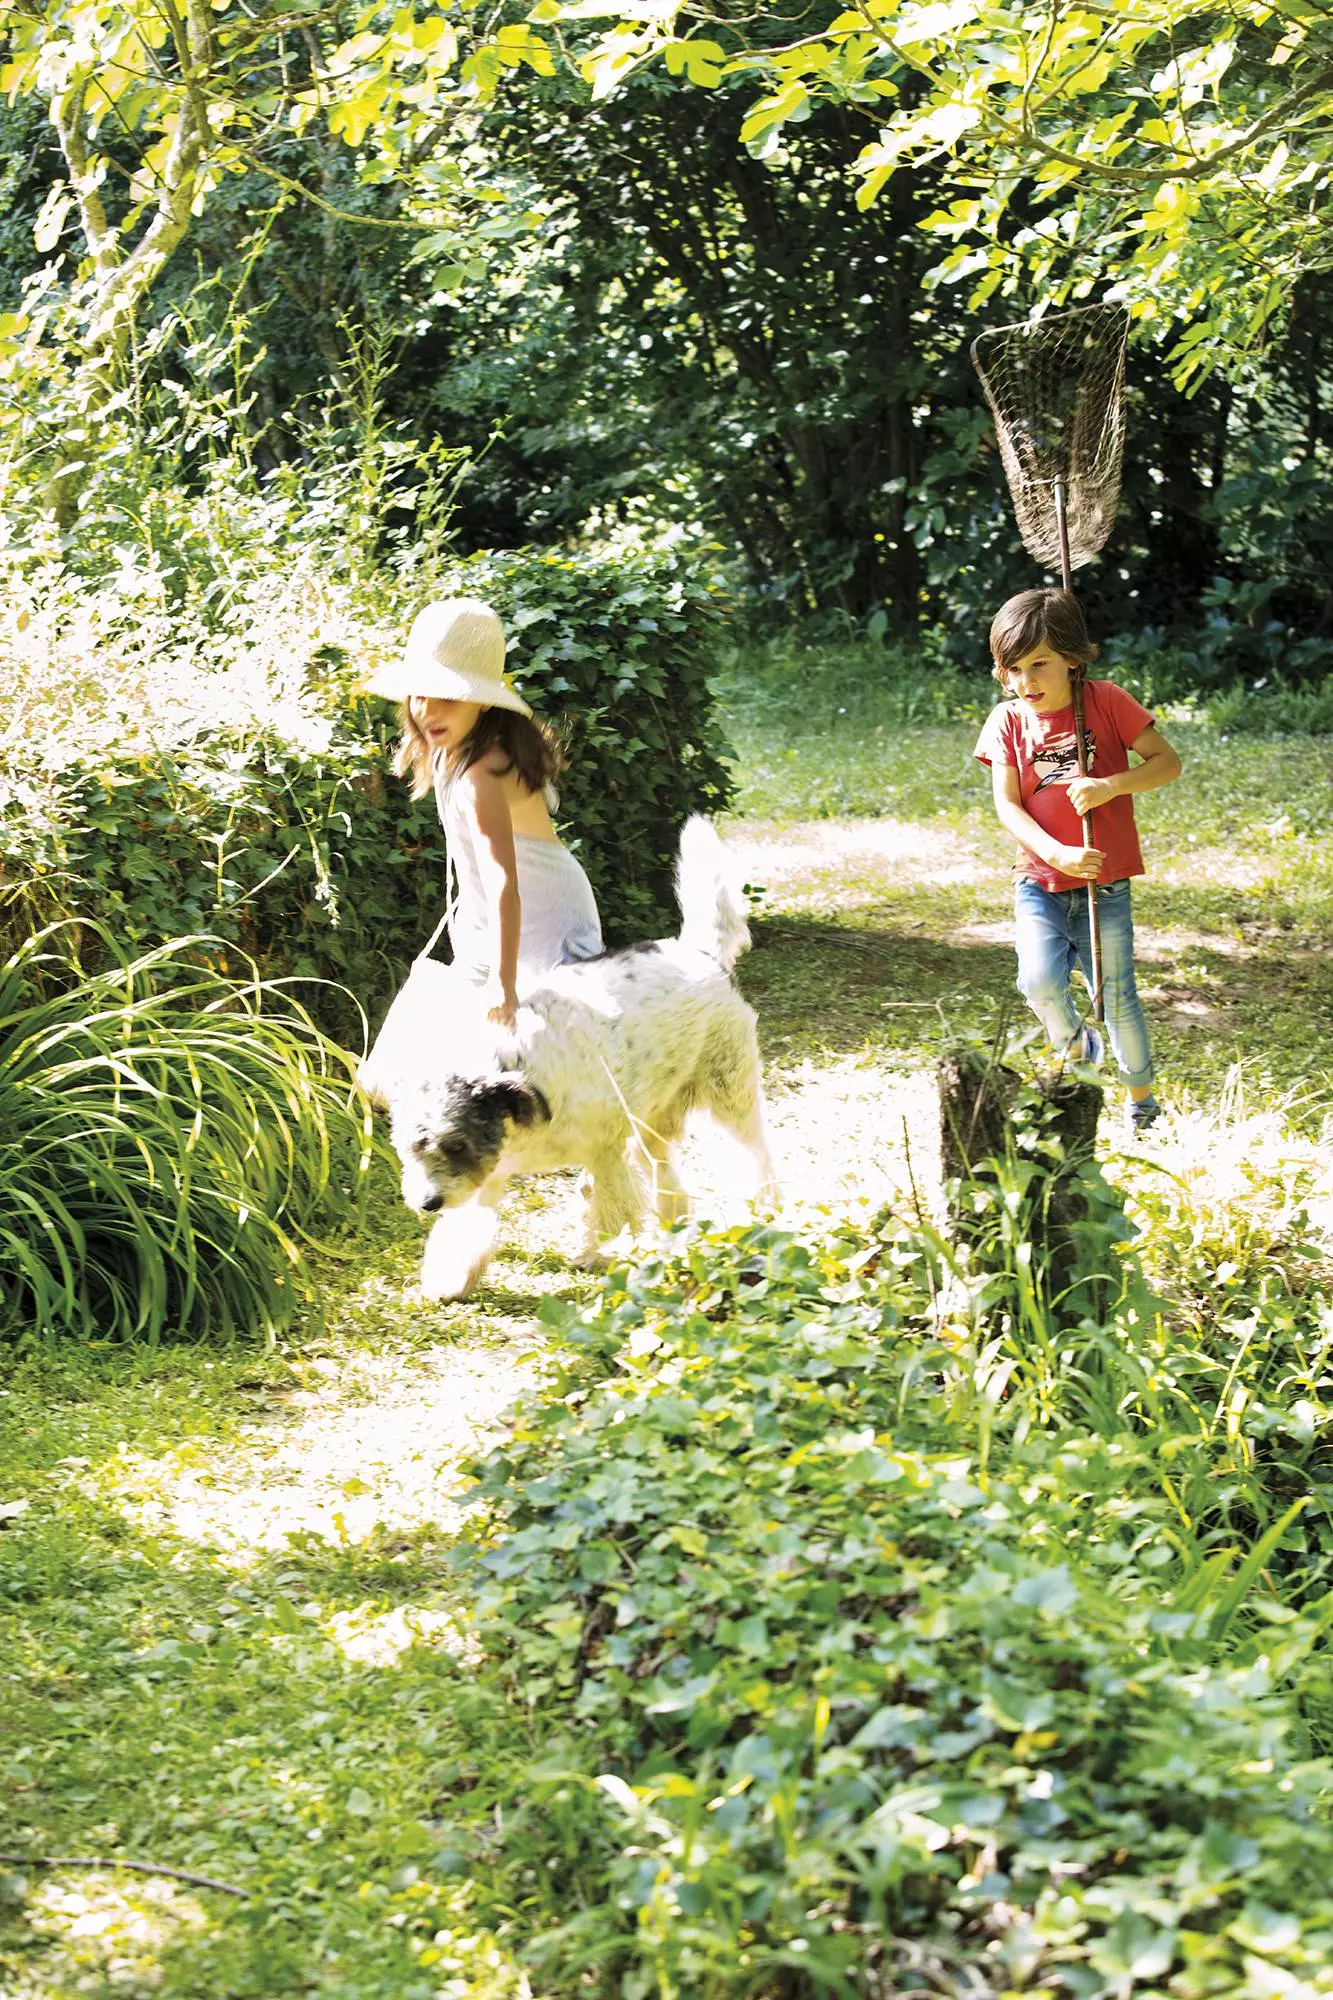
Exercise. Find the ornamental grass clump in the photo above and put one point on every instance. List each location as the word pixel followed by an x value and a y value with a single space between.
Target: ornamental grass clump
pixel 170 1137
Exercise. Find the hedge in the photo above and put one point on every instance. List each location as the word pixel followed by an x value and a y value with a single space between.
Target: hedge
pixel 316 863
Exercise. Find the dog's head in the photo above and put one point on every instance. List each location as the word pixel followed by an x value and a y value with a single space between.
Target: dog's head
pixel 449 1135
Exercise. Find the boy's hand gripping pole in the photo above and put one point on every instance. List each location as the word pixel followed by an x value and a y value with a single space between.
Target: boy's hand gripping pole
pixel 1081 754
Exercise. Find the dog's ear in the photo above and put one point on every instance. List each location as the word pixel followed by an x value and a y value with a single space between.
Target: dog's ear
pixel 514 1097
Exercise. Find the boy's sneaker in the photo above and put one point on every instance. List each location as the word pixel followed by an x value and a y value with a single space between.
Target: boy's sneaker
pixel 1141 1115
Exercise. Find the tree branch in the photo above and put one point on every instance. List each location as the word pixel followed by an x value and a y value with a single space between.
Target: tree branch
pixel 67 115
pixel 115 1861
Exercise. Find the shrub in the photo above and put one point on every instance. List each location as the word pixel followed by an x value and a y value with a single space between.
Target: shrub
pixel 620 651
pixel 245 787
pixel 169 1137
pixel 863 1713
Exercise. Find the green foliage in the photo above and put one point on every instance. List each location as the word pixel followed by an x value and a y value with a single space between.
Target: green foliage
pixel 169 1137
pixel 1173 153
pixel 671 330
pixel 308 861
pixel 845 1684
pixel 684 334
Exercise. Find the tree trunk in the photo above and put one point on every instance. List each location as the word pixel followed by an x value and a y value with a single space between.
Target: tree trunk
pixel 977 1144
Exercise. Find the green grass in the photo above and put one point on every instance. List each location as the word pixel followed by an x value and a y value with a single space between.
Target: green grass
pixel 1237 903
pixel 183 1681
pixel 254 1714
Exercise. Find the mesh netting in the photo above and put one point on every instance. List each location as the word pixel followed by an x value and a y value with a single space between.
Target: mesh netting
pixel 1055 388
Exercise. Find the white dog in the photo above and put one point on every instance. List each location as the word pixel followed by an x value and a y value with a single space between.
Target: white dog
pixel 608 1057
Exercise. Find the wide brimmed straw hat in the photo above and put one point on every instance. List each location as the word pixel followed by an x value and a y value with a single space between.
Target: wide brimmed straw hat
pixel 454 652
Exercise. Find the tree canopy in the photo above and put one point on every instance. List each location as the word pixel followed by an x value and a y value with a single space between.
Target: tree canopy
pixel 709 268
pixel 1174 149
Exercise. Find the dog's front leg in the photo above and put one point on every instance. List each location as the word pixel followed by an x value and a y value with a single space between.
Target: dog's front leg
pixel 741 1111
pixel 459 1247
pixel 615 1202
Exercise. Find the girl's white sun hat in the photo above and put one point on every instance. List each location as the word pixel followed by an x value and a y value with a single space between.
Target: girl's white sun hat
pixel 454 652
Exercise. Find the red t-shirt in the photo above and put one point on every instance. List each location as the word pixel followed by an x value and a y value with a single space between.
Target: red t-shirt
pixel 1041 749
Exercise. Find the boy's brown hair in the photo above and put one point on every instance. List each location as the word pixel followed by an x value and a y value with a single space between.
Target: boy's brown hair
pixel 1034 618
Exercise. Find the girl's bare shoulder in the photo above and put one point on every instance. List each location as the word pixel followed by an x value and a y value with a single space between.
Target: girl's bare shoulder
pixel 485 772
pixel 491 781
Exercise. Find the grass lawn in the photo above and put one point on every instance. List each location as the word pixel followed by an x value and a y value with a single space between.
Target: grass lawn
pixel 231 1639
pixel 879 856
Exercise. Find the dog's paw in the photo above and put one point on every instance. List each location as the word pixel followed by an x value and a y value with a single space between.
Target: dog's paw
pixel 457 1251
pixel 445 1288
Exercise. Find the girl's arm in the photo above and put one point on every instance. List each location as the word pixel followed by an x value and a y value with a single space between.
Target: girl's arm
pixel 1083 862
pixel 1160 765
pixel 499 876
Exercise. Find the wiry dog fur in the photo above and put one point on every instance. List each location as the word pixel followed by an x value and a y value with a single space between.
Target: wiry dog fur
pixel 609 1057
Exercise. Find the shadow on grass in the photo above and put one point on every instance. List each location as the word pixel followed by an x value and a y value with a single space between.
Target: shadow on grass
pixel 825 989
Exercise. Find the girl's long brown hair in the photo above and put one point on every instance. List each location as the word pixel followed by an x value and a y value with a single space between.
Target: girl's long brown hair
pixel 530 748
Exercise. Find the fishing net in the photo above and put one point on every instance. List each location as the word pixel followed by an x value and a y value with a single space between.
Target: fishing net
pixel 1056 390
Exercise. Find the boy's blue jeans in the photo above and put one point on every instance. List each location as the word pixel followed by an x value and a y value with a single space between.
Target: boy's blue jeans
pixel 1051 932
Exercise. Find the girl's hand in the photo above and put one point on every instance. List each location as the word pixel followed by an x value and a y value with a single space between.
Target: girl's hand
pixel 1084 862
pixel 1086 794
pixel 501 1007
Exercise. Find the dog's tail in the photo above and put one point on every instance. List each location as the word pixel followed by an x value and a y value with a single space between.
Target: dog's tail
pixel 712 900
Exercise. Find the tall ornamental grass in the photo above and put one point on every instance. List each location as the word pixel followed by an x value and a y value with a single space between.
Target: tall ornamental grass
pixel 170 1140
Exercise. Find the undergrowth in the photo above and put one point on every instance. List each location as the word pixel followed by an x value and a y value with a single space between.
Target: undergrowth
pixel 886 1666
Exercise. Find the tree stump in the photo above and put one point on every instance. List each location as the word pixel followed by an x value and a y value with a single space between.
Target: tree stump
pixel 980 1102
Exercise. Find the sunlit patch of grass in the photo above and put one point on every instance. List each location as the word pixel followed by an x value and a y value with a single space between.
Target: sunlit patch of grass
pixel 270 1699
pixel 1239 1176
pixel 230 1641
pixel 104 1932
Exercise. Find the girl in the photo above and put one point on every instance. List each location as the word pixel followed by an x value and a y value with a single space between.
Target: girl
pixel 523 904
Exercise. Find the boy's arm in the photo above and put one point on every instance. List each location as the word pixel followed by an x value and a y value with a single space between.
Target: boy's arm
pixel 1159 767
pixel 1083 862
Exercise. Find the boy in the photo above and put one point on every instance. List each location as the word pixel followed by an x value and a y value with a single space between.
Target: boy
pixel 1039 641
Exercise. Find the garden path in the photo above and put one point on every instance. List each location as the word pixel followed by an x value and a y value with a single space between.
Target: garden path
pixel 877 941
pixel 363 1439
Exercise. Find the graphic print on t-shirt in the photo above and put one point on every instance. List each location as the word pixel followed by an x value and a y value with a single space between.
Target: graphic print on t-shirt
pixel 1056 761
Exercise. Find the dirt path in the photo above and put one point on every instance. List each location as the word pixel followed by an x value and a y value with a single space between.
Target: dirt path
pixel 871 950
pixel 368 1439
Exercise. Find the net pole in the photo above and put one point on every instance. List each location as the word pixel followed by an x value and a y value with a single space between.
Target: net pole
pixel 1081 754
pixel 1062 527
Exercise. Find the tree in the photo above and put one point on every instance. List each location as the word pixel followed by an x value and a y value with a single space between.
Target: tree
pixel 155 103
pixel 1178 149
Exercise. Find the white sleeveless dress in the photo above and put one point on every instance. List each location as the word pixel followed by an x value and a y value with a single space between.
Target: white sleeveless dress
pixel 559 924
pixel 560 920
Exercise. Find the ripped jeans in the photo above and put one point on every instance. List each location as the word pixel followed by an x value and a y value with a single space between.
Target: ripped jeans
pixel 1051 933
